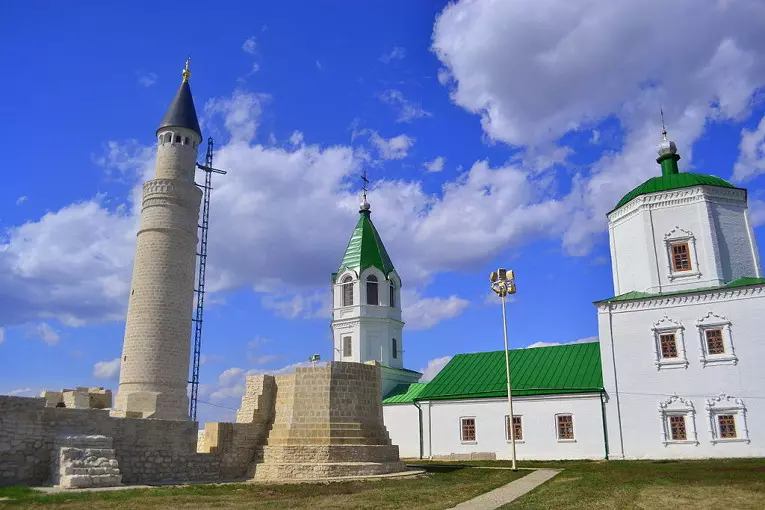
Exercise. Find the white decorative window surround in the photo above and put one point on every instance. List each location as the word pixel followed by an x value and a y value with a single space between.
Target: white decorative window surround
pixel 678 423
pixel 678 237
pixel 564 428
pixel 713 330
pixel 669 344
pixel 468 430
pixel 517 426
pixel 727 419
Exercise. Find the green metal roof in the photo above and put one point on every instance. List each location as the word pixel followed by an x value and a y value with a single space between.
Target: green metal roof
pixel 404 393
pixel 633 295
pixel 573 368
pixel 365 248
pixel 673 181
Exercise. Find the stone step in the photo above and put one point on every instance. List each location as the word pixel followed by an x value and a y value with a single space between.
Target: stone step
pixel 326 441
pixel 327 453
pixel 306 471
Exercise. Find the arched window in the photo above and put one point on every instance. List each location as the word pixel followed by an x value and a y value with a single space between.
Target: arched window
pixel 186 141
pixel 168 137
pixel 177 138
pixel 394 347
pixel 372 297
pixel 347 291
pixel 392 294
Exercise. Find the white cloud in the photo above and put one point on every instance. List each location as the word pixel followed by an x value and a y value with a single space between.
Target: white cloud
pixel 21 200
pixel 407 110
pixel 2 335
pixel 397 53
pixel 595 138
pixel 210 358
pixel 436 165
pixel 392 148
pixel 107 369
pixel 296 138
pixel 255 68
pixel 425 312
pixel 147 79
pixel 533 77
pixel 318 65
pixel 229 376
pixel 250 45
pixel 751 159
pixel 301 305
pixel 22 392
pixel 433 368
pixel 232 382
pixel 46 333
pixel 585 340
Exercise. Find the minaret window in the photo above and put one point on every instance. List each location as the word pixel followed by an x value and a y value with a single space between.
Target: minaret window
pixel 392 295
pixel 372 296
pixel 186 141
pixel 177 138
pixel 347 291
pixel 394 348
pixel 168 137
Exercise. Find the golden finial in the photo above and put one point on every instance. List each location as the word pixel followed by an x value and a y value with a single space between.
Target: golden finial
pixel 186 72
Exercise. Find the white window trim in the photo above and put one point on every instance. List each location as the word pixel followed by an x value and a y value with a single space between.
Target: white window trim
pixel 523 430
pixel 724 404
pixel 342 345
pixel 676 236
pixel 678 406
pixel 475 423
pixel 714 321
pixel 664 326
pixel 573 426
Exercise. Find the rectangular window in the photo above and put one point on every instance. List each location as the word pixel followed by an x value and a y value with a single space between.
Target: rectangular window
pixel 668 345
pixel 467 429
pixel 681 260
pixel 517 427
pixel 715 343
pixel 677 428
pixel 727 423
pixel 392 295
pixel 565 426
pixel 347 347
pixel 394 348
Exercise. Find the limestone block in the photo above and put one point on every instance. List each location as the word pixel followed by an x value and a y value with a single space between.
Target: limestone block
pixel 84 461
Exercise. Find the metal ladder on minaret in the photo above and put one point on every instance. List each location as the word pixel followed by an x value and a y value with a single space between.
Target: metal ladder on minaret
pixel 200 288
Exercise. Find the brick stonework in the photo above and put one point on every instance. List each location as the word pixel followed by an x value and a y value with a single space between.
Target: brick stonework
pixel 154 370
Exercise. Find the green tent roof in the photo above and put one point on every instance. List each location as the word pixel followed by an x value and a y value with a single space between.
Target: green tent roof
pixel 673 181
pixel 573 368
pixel 634 295
pixel 365 248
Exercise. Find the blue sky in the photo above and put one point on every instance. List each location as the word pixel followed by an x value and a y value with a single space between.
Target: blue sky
pixel 494 133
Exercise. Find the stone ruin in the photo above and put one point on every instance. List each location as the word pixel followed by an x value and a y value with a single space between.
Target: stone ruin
pixel 322 422
pixel 79 398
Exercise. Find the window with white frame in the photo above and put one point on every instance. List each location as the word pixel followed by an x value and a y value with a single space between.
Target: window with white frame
pixel 669 344
pixel 678 424
pixel 517 427
pixel 682 260
pixel 347 347
pixel 347 284
pixel 727 419
pixel 564 425
pixel 467 429
pixel 715 340
pixel 372 296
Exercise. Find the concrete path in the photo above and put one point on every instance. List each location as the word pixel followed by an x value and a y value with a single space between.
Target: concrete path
pixel 510 492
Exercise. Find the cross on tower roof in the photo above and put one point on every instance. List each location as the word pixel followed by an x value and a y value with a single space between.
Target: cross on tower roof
pixel 364 183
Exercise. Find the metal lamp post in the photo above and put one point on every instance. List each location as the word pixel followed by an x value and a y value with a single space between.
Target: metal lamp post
pixel 503 283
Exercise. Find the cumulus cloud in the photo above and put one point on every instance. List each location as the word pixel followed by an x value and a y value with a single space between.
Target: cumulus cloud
pixel 46 333
pixel 433 368
pixel 751 159
pixel 21 199
pixel 585 340
pixel 533 77
pixel 232 382
pixel 436 165
pixel 107 369
pixel 407 110
pixel 425 312
pixel 392 148
pixel 22 392
pixel 250 45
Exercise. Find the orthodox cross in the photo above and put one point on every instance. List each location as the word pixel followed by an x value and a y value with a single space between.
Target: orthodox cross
pixel 663 126
pixel 364 184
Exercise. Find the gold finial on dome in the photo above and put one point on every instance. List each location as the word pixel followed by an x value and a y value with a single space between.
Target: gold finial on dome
pixel 186 72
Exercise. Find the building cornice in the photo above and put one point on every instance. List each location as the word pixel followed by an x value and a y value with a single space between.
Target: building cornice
pixel 676 197
pixel 708 296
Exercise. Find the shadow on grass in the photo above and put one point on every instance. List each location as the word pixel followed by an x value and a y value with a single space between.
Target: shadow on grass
pixel 438 468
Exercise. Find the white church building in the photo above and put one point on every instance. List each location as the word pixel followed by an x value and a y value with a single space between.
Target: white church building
pixel 677 371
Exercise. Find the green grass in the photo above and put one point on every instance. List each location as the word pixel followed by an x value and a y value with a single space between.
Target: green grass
pixel 441 487
pixel 728 483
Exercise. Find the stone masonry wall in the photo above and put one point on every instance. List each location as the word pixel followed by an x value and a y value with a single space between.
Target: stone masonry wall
pixel 148 451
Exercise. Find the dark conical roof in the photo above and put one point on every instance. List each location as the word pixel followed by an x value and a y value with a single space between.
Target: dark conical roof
pixel 182 112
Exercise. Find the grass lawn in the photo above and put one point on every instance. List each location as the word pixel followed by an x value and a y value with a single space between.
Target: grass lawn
pixel 442 487
pixel 738 484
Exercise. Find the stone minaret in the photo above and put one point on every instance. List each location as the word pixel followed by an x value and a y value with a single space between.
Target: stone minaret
pixel 155 354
